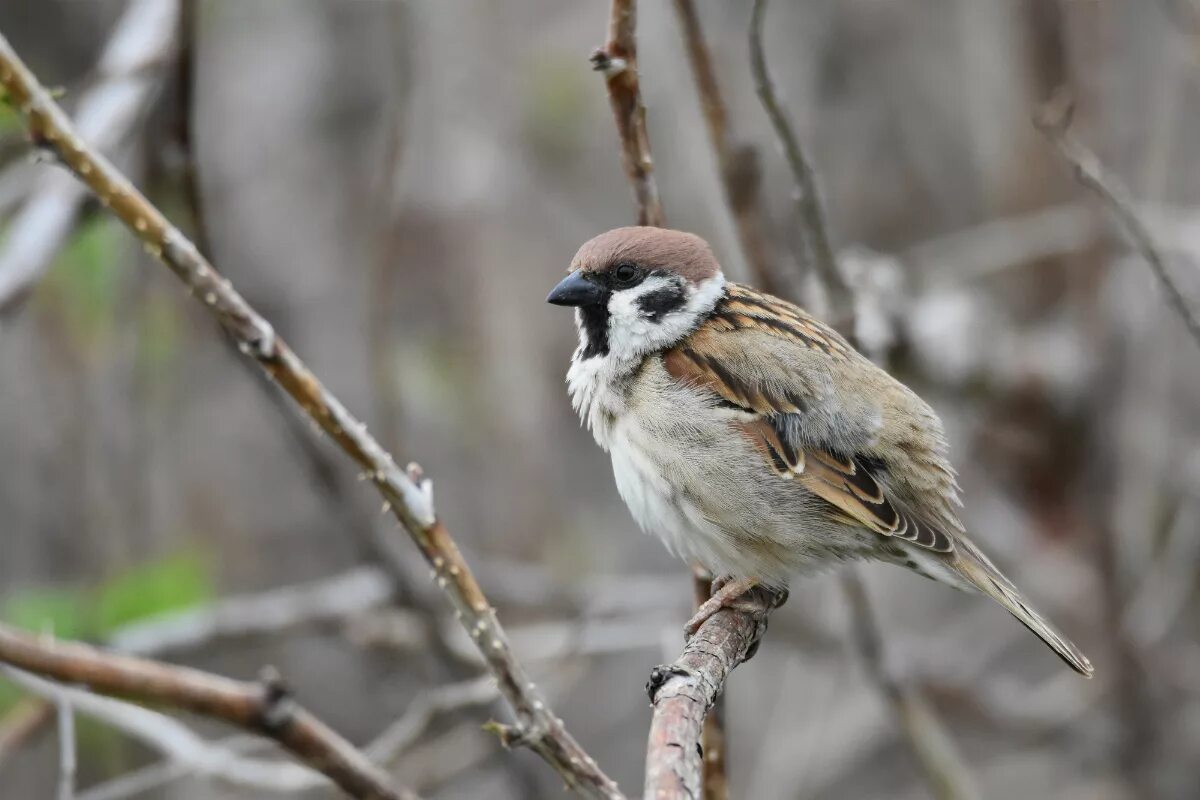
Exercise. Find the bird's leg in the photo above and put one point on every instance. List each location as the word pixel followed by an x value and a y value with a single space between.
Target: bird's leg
pixel 725 592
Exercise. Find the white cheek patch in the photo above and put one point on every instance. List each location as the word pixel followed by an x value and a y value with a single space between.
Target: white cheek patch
pixel 632 333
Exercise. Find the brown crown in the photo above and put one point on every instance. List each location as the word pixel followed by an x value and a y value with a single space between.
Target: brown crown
pixel 683 253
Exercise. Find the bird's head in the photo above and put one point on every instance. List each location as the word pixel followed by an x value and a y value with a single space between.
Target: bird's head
pixel 639 289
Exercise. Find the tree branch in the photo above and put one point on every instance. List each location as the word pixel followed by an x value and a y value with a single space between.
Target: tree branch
pixel 713 741
pixel 265 708
pixel 741 176
pixel 1054 121
pixel 407 494
pixel 683 692
pixel 618 61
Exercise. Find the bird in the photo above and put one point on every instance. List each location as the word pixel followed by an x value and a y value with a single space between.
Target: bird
pixel 752 438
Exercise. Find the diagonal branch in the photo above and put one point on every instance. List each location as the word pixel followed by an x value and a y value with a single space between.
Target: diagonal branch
pixel 936 754
pixel 265 708
pixel 1054 122
pixel 407 494
pixel 810 216
pixel 618 61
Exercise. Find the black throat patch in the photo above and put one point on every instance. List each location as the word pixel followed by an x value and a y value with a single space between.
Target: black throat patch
pixel 595 329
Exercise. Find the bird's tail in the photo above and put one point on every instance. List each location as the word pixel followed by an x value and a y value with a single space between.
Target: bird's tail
pixel 975 567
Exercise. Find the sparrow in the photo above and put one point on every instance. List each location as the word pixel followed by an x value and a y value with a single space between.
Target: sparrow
pixel 752 438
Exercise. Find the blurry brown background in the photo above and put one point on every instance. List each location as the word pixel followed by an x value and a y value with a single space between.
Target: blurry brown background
pixel 397 185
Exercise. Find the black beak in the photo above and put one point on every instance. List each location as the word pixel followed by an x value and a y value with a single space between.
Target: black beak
pixel 576 290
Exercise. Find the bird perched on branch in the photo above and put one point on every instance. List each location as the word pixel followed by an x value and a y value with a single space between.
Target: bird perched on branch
pixel 752 438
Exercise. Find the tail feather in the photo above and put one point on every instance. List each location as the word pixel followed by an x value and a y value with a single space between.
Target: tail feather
pixel 983 575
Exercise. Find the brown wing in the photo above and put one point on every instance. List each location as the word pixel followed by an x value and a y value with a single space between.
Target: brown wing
pixel 850 484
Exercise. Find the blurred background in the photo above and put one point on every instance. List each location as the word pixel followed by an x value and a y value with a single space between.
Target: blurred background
pixel 397 185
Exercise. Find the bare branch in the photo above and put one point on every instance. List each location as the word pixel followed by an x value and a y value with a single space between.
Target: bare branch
pixel 265 708
pixel 809 214
pixel 934 751
pixel 741 176
pixel 407 494
pixel 714 746
pixel 129 77
pixel 1054 121
pixel 683 692
pixel 673 760
pixel 618 61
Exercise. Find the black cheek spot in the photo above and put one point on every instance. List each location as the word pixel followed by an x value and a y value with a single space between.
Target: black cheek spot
pixel 657 304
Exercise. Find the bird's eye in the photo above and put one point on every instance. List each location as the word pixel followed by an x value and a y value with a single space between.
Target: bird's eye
pixel 625 274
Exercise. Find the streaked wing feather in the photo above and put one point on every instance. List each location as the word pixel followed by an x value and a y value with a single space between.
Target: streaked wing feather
pixel 849 484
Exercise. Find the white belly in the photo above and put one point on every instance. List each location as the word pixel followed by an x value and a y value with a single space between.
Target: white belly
pixel 689 479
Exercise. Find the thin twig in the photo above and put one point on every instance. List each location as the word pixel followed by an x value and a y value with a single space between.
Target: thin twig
pixel 407 494
pixel 129 76
pixel 266 707
pixel 810 216
pixel 939 759
pixel 684 691
pixel 618 61
pixel 741 176
pixel 1053 120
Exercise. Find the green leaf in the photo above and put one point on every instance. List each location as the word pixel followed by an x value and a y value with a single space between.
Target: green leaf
pixel 172 584
pixel 61 612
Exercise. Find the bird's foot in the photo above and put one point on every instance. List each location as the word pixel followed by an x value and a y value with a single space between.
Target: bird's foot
pixel 726 593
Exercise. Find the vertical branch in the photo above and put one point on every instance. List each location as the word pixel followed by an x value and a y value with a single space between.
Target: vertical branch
pixel 714 740
pixel 810 216
pixel 618 61
pixel 741 175
pixel 66 749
